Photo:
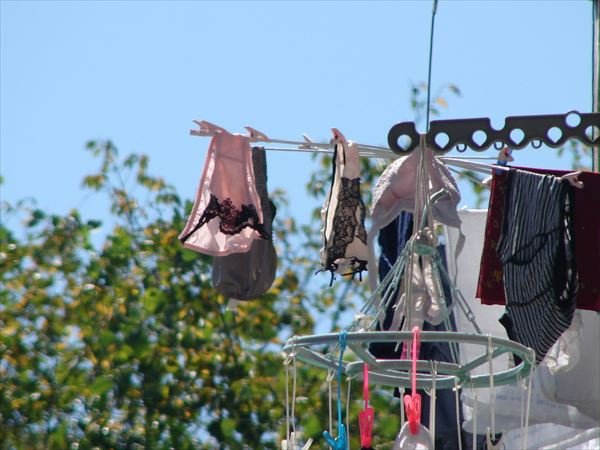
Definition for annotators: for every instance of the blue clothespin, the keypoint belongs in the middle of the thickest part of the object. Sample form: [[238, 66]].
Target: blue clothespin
[[341, 442]]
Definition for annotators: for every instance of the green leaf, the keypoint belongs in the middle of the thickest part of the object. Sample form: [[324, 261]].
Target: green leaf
[[102, 384], [58, 438], [123, 354], [228, 426], [152, 299], [106, 338]]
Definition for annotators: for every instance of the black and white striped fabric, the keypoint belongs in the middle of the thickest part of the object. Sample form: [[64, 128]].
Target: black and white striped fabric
[[536, 249]]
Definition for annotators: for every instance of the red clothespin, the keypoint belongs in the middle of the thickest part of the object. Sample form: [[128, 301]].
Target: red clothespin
[[412, 402], [366, 416]]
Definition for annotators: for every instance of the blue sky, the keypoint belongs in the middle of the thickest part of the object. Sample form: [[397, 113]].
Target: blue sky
[[139, 72]]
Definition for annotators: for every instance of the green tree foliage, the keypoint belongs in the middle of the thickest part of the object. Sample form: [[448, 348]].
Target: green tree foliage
[[125, 344], [128, 345]]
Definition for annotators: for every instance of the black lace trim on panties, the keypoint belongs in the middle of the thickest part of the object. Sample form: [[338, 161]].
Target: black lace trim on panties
[[346, 227], [233, 219]]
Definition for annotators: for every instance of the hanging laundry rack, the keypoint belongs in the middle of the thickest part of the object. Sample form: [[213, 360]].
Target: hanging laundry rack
[[553, 130], [518, 132], [396, 372], [477, 134]]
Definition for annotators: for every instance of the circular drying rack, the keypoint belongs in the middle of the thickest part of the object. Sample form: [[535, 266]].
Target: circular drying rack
[[396, 372]]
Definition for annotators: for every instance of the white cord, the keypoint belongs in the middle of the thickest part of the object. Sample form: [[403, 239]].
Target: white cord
[[329, 380], [523, 387], [492, 390], [458, 424], [433, 400], [529, 389], [294, 372], [474, 444], [348, 410], [287, 399], [402, 419]]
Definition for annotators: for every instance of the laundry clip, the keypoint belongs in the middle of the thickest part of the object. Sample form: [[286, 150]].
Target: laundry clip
[[491, 443], [341, 441], [573, 179], [337, 135], [257, 136], [413, 434], [308, 141], [293, 443], [504, 157], [366, 416], [207, 129], [412, 402]]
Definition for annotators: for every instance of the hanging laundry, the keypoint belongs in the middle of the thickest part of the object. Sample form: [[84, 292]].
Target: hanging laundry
[[226, 217], [392, 240], [395, 191], [536, 249], [558, 397], [248, 275], [344, 236], [586, 226]]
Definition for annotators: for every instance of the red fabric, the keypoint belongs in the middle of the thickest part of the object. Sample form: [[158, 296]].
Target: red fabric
[[490, 287]]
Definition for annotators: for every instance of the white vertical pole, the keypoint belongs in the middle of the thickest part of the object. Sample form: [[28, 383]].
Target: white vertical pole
[[596, 79]]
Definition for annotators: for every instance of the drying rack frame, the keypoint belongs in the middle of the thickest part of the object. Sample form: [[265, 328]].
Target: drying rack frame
[[394, 372]]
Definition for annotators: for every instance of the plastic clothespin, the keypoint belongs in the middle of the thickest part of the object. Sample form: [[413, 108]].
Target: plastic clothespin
[[257, 136], [366, 416], [504, 157], [308, 141], [412, 402], [341, 442], [207, 129], [573, 179], [232, 304], [293, 442], [337, 135], [491, 443]]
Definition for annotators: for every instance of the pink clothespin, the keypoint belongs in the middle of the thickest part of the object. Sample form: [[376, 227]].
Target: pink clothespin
[[337, 135], [207, 129], [366, 416], [573, 179], [412, 402], [257, 136]]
